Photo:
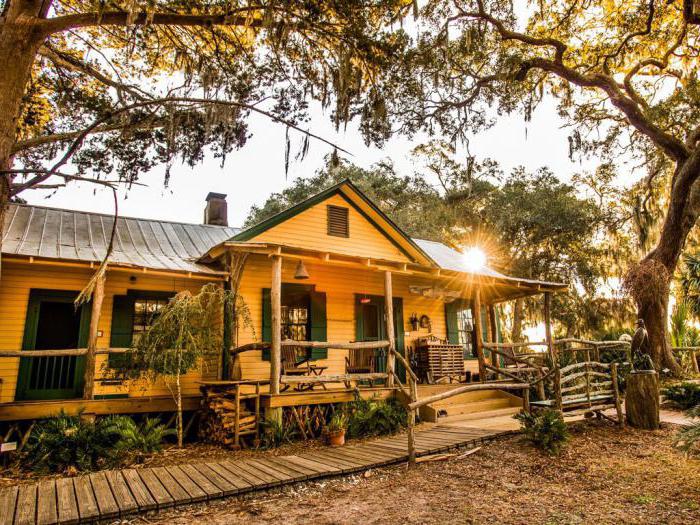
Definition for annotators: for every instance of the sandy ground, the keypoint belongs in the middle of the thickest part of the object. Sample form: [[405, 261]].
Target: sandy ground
[[605, 476]]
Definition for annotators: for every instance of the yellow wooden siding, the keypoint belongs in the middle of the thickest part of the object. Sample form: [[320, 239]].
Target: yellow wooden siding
[[340, 285], [309, 229], [19, 278]]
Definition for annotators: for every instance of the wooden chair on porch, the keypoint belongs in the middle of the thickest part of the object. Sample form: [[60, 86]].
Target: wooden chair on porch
[[295, 365], [359, 361]]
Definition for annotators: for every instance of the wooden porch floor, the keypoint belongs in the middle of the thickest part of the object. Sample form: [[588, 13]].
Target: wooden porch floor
[[119, 493]]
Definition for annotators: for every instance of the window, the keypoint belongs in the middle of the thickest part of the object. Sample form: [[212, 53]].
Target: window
[[295, 316], [465, 329], [146, 309], [338, 225]]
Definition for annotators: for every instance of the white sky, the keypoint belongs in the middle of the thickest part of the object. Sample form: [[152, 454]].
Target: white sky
[[251, 174]]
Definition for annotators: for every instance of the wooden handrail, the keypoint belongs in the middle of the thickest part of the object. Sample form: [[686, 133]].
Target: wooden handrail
[[332, 378], [514, 345], [60, 353], [406, 365]]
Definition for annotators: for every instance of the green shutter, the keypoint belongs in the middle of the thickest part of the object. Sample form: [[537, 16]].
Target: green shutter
[[319, 328], [451, 321], [122, 326], [266, 322]]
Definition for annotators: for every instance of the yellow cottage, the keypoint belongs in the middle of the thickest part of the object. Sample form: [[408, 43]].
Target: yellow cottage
[[330, 270]]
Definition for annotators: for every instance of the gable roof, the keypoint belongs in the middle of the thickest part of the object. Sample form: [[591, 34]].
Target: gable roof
[[361, 203], [37, 231]]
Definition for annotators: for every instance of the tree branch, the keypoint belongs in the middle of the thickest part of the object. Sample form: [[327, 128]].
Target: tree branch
[[122, 18]]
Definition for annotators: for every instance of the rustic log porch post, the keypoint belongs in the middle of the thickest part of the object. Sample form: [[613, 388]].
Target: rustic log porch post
[[548, 327], [389, 314], [493, 333], [276, 304], [90, 360], [478, 335]]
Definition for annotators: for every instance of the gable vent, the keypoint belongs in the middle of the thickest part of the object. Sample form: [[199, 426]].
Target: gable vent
[[338, 225]]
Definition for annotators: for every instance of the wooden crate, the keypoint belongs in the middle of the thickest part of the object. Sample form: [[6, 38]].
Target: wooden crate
[[438, 360]]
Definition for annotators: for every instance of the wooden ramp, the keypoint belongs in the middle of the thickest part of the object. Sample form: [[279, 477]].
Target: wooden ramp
[[119, 493]]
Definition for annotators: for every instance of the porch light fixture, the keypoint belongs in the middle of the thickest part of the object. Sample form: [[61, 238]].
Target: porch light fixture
[[474, 259], [301, 272]]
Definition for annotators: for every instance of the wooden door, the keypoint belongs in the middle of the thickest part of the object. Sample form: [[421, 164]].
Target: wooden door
[[53, 323], [371, 326]]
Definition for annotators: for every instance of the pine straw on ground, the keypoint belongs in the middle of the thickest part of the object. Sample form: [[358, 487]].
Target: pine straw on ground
[[604, 476]]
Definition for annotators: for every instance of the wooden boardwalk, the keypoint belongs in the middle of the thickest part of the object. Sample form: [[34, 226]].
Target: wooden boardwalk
[[119, 493]]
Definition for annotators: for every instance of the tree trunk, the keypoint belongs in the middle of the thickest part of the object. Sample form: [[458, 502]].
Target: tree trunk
[[516, 334], [19, 43], [682, 214], [642, 400]]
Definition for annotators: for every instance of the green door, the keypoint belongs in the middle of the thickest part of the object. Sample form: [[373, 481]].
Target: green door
[[371, 326], [53, 323]]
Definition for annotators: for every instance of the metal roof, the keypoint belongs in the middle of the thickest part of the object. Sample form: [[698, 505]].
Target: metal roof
[[450, 259], [38, 231]]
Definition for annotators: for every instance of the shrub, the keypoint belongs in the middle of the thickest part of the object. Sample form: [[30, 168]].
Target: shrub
[[683, 395], [276, 434], [545, 429], [688, 439], [375, 417], [142, 439], [65, 443]]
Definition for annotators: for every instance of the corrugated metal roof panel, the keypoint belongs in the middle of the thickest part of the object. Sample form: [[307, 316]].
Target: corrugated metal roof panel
[[37, 231]]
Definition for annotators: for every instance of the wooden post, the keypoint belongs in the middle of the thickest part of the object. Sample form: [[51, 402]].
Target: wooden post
[[90, 360], [389, 314], [526, 400], [276, 306], [616, 394], [412, 422], [548, 327], [493, 329], [476, 315]]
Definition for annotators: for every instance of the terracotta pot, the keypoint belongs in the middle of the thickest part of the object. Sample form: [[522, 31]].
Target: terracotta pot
[[336, 438]]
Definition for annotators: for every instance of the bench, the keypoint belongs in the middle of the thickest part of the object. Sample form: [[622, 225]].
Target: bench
[[583, 388]]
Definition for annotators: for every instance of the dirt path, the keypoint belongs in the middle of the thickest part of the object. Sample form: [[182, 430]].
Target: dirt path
[[605, 476]]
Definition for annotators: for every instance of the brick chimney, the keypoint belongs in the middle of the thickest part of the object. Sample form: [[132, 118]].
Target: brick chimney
[[216, 211]]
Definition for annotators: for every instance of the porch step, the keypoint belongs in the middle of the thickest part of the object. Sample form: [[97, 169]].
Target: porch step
[[488, 414], [478, 402]]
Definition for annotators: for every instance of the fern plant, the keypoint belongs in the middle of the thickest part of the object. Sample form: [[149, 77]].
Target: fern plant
[[688, 438], [545, 429], [684, 395], [276, 433], [374, 417], [139, 440]]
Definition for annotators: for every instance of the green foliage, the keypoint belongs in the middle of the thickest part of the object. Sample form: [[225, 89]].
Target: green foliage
[[374, 417], [688, 438], [689, 284], [683, 395], [680, 317], [338, 422], [140, 439], [546, 429], [64, 443], [275, 434]]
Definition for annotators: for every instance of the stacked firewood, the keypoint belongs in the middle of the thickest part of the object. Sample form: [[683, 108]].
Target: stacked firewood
[[219, 415]]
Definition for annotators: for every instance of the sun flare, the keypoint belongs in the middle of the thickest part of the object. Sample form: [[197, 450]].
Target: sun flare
[[474, 259]]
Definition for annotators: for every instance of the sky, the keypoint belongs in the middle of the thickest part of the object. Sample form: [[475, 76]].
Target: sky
[[252, 173]]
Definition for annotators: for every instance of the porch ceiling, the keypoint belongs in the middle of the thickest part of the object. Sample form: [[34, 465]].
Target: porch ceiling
[[494, 287]]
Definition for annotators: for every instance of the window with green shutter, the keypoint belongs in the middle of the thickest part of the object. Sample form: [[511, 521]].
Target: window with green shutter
[[303, 317], [459, 323]]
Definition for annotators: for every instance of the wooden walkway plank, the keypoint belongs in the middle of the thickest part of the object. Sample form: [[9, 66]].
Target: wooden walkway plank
[[234, 469], [26, 505], [65, 501], [122, 495], [319, 467], [236, 480], [226, 487], [283, 477], [46, 511], [193, 490], [178, 493], [254, 475], [87, 505], [285, 468], [306, 472], [103, 495], [211, 490], [140, 492], [8, 504], [337, 461], [155, 487]]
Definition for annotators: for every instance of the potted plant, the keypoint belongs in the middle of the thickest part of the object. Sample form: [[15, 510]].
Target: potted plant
[[336, 429]]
